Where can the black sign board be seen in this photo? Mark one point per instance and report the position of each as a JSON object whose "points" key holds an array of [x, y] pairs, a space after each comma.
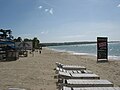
{"points": [[102, 48]]}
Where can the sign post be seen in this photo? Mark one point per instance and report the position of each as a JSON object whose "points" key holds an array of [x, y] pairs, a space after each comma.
{"points": [[102, 49]]}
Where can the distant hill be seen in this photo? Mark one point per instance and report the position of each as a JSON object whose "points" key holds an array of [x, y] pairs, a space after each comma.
{"points": [[64, 43], [72, 43]]}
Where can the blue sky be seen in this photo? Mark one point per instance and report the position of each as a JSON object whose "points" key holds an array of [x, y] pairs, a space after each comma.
{"points": [[61, 20]]}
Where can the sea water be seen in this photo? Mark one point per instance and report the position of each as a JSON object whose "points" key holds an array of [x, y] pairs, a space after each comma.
{"points": [[89, 49]]}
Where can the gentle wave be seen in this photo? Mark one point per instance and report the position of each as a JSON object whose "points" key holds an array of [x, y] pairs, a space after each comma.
{"points": [[83, 54], [89, 49]]}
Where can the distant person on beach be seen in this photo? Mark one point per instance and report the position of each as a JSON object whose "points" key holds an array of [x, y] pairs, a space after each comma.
{"points": [[40, 50], [33, 51]]}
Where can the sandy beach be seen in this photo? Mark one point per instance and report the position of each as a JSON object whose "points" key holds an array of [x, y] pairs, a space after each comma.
{"points": [[37, 72]]}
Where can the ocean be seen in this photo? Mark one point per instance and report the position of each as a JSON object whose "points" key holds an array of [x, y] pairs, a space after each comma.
{"points": [[89, 49]]}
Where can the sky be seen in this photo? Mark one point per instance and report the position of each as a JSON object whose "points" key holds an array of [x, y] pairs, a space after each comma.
{"points": [[61, 20]]}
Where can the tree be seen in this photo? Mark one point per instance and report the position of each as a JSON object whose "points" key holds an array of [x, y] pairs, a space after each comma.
{"points": [[26, 39], [19, 39], [36, 43]]}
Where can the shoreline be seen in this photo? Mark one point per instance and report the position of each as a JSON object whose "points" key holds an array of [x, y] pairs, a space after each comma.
{"points": [[85, 54], [37, 72]]}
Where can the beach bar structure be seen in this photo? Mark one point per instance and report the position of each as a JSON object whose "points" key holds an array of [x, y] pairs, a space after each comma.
{"points": [[12, 55], [7, 51], [23, 47], [7, 46]]}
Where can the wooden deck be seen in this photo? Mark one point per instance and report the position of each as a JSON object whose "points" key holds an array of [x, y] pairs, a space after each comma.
{"points": [[87, 83]]}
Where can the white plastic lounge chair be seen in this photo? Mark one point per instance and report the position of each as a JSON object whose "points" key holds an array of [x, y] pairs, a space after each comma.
{"points": [[63, 75], [91, 88], [70, 67], [73, 71], [73, 67], [86, 83]]}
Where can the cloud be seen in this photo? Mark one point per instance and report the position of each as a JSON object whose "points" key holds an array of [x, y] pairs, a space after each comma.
{"points": [[118, 5], [40, 7], [46, 10], [51, 11], [44, 32]]}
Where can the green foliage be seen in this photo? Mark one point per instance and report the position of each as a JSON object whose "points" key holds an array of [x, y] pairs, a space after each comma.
{"points": [[36, 43], [26, 39], [19, 39]]}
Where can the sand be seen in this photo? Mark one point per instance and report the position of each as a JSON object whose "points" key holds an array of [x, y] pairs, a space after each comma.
{"points": [[37, 72]]}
